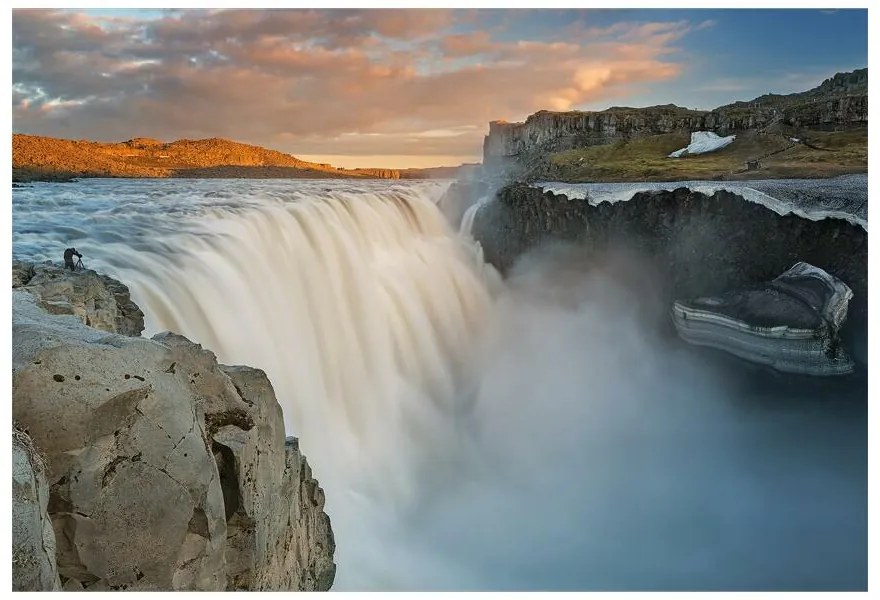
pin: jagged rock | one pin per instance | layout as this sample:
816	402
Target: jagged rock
166	469
696	244
100	301
33	540
791	323
840	101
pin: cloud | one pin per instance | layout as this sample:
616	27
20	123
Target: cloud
316	81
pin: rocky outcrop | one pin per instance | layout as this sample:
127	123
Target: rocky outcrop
33	539
99	301
698	245
166	470
548	131
791	323
841	101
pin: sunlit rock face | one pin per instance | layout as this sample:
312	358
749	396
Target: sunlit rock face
99	301
165	469
791	323
840	101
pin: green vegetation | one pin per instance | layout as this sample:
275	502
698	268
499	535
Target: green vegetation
819	154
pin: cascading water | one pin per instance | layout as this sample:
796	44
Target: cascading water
469	433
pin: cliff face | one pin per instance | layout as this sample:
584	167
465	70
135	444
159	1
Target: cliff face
697	245
841	101
553	132
37	157
165	470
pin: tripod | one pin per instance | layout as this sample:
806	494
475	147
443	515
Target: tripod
79	265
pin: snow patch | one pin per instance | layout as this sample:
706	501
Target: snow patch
702	142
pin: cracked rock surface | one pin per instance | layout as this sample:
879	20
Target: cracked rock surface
165	469
33	540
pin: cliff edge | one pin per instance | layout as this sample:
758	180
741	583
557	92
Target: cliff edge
817	133
165	470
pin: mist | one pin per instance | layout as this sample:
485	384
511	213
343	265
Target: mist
600	453
546	431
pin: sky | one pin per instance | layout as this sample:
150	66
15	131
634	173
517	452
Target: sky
398	88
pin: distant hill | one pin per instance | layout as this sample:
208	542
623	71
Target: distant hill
817	133
462	171
46	158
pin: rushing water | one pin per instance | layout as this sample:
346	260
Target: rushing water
472	433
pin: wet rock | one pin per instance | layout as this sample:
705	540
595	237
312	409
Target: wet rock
791	323
696	244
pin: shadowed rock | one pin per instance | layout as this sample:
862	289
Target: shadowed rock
791	324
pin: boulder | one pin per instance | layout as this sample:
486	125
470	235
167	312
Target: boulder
98	300
166	470
791	323
33	539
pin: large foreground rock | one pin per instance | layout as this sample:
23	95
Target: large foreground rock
33	540
166	470
791	323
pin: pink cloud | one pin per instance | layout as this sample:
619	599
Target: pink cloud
316	82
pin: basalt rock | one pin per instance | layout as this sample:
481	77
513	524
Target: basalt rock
698	245
839	102
165	469
791	323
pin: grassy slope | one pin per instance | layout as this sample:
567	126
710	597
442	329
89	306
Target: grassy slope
645	159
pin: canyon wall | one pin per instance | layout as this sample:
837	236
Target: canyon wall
839	102
694	244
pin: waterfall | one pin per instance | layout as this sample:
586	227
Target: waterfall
470	433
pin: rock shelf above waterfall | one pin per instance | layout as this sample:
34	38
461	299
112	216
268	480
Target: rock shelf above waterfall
791	323
164	469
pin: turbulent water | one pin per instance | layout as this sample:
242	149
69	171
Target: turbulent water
478	434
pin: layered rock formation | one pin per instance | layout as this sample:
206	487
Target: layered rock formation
548	131
99	301
166	470
791	323
698	245
33	539
839	102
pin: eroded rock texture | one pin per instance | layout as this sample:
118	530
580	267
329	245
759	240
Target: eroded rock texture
840	101
33	539
166	470
100	301
791	323
690	244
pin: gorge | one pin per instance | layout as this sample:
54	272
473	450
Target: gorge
474	432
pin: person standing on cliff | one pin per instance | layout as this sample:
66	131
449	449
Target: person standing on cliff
68	258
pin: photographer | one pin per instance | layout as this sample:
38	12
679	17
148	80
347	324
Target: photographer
68	259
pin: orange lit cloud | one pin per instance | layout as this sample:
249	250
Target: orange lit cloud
397	83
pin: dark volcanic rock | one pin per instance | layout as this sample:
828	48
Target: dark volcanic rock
791	323
697	245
